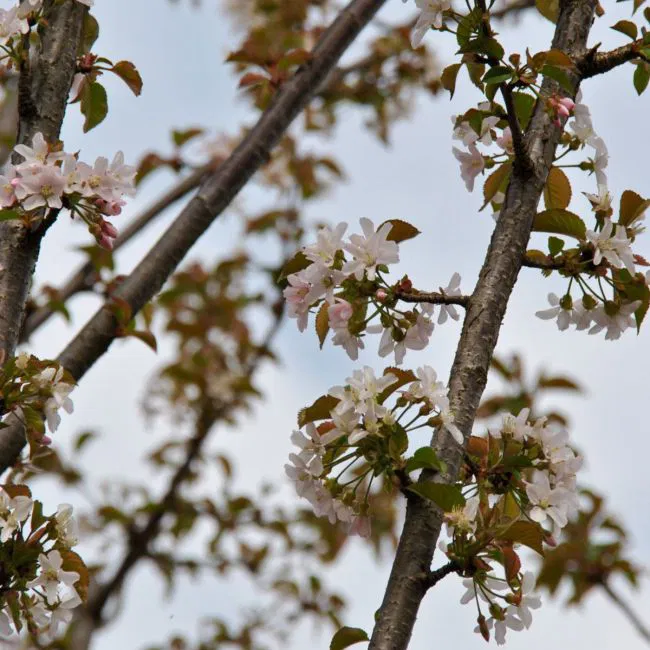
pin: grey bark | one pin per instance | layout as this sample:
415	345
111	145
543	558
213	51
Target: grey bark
487	306
43	87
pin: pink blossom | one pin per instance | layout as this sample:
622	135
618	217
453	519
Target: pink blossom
562	107
471	165
339	314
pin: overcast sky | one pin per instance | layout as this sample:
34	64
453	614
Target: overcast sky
180	52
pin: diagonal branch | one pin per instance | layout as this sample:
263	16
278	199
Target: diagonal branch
629	613
481	327
90	616
593	63
45	78
214	196
432	298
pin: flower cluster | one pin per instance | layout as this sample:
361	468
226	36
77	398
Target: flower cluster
42	579
35	390
52	179
518	486
352	292
360	439
605	253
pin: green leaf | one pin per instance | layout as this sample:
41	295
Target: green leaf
524	105
497	75
632	205
297	263
401	230
557	191
129	74
94	105
37	515
496	181
559	59
444	496
347	636
559	75
89	34
183	137
526	533
425	457
641	77
319	410
468	25
146	337
550	9
449	76
626	27
555	245
83	439
560	222
322	324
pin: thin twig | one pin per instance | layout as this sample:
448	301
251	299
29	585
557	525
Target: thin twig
629	613
432	298
593	62
434	577
546	265
139	540
519	148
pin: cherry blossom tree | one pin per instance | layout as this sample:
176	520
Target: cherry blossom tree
391	454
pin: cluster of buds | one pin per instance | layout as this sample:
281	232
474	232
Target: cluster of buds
49	179
360	439
34	391
519	486
43	580
348	294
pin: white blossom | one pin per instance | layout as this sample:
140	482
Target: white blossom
370	250
612	244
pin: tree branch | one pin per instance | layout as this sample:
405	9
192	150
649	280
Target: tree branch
513	8
479	336
546	265
518	145
90	616
629	613
85	277
434	577
214	196
593	62
432	298
45	78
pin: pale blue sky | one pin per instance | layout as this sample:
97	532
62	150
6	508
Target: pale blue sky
180	52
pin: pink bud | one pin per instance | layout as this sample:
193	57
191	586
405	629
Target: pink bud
381	295
339	313
109	229
105	242
360	526
568	103
15	182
